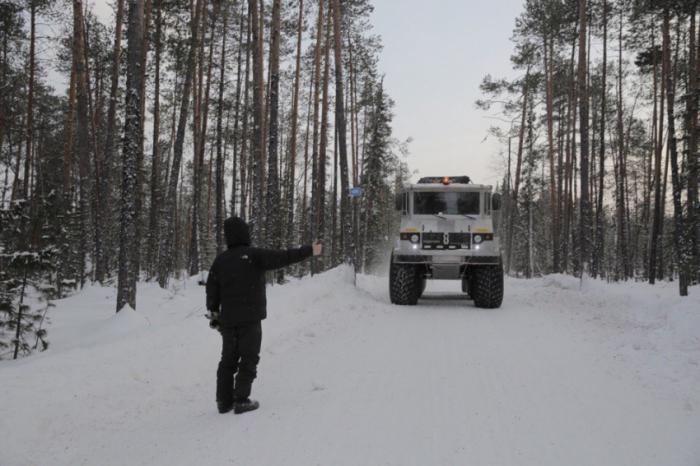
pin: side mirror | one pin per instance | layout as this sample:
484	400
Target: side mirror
495	201
398	201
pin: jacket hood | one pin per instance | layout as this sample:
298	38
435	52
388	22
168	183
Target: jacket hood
236	232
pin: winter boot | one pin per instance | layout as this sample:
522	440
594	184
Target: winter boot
245	405
224	407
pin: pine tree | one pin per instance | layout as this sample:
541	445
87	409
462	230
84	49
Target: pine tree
341	129
169	219
23	265
58	149
273	211
126	287
376	169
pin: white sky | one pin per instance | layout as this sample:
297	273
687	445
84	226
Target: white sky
435	56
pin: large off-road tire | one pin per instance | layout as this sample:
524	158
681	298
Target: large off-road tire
486	286
404	284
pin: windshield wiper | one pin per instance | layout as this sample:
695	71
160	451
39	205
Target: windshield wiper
470	217
440	216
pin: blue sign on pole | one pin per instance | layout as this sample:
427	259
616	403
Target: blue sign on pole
356	191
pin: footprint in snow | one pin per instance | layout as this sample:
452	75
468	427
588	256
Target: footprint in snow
317	387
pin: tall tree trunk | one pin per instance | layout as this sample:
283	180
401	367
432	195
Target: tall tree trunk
171	140
657	217
585	208
315	149
662	215
622	257
272	211
599	256
237	112
17	183
323	147
354	129
30	101
3	116
530	261
154	224
265	113
679	230
136	245
110	131
518	169
257	223
199	124
219	218
694	170
126	287
291	175
354	150
570	149
98	207
305	223
200	227
334	203
70	130
345	212
83	124
245	155
692	233
166	249
549	78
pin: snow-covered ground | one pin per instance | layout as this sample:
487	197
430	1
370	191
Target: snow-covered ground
562	374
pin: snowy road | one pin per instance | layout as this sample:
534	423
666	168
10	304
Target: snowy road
560	375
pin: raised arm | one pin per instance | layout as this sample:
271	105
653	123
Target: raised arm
271	259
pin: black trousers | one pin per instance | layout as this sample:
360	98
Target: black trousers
240	355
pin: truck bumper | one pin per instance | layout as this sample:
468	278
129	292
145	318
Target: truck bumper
426	259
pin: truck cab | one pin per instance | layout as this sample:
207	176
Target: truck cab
447	233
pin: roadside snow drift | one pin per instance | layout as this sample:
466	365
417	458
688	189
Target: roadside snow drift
565	373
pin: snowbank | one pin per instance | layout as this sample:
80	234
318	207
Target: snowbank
564	373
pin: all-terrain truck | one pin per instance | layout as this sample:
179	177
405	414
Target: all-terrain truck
447	233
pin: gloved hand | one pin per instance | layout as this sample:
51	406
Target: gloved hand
213	319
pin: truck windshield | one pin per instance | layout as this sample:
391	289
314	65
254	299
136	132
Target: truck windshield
448	203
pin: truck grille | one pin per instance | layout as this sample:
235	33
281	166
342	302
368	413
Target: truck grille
460	239
437	241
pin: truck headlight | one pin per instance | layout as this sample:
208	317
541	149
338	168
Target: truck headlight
478	239
410	236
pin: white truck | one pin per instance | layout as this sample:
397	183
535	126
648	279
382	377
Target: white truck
447	233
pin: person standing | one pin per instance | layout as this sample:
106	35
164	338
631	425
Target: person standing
237	304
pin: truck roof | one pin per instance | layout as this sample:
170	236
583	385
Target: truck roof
448	187
462	179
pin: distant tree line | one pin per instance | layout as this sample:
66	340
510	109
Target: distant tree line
601	171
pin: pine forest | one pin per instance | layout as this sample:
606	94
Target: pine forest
175	115
127	139
600	140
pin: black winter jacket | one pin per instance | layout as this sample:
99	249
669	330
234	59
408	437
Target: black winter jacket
236	282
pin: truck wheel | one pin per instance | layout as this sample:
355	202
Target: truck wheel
404	284
486	287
